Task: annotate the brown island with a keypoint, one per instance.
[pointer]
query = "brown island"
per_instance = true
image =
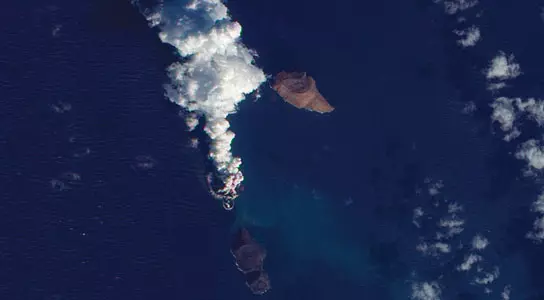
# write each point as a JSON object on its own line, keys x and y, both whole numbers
{"x": 300, "y": 90}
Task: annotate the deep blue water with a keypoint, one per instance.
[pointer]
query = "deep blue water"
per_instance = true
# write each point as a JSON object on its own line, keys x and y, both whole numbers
{"x": 123, "y": 231}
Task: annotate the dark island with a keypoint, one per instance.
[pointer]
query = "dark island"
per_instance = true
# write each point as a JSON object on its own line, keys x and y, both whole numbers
{"x": 249, "y": 257}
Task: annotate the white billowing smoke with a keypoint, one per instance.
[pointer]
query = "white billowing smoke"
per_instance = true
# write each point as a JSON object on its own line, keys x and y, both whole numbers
{"x": 216, "y": 73}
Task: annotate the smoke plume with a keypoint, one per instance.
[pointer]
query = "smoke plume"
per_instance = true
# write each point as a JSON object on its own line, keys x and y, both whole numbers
{"x": 215, "y": 73}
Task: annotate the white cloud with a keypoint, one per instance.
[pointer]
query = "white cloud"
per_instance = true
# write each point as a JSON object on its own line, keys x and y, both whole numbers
{"x": 506, "y": 293}
{"x": 506, "y": 111}
{"x": 496, "y": 86}
{"x": 426, "y": 291}
{"x": 450, "y": 222}
{"x": 433, "y": 249}
{"x": 454, "y": 208}
{"x": 534, "y": 108}
{"x": 512, "y": 134}
{"x": 216, "y": 74}
{"x": 434, "y": 188}
{"x": 479, "y": 242}
{"x": 470, "y": 260}
{"x": 417, "y": 214}
{"x": 455, "y": 6}
{"x": 453, "y": 226}
{"x": 538, "y": 206}
{"x": 503, "y": 67}
{"x": 538, "y": 225}
{"x": 538, "y": 230}
{"x": 488, "y": 277}
{"x": 533, "y": 153}
{"x": 469, "y": 36}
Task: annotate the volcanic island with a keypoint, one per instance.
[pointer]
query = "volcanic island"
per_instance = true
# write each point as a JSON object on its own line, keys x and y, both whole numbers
{"x": 300, "y": 90}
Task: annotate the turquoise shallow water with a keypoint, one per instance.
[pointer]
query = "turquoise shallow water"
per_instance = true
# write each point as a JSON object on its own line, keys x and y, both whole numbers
{"x": 309, "y": 229}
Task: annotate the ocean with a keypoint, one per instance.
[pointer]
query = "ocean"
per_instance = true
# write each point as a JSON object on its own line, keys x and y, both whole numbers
{"x": 104, "y": 196}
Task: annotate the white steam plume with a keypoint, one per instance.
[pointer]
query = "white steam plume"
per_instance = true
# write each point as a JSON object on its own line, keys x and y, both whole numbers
{"x": 216, "y": 73}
